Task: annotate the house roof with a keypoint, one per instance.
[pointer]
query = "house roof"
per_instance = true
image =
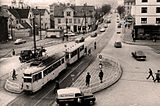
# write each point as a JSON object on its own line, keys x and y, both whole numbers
{"x": 19, "y": 13}
{"x": 25, "y": 25}
{"x": 37, "y": 11}
{"x": 78, "y": 10}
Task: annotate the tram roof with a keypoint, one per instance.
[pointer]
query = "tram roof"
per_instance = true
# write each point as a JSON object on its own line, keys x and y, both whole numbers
{"x": 37, "y": 66}
{"x": 73, "y": 46}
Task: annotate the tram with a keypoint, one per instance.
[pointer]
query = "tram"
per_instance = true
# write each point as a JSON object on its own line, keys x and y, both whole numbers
{"x": 74, "y": 53}
{"x": 43, "y": 70}
{"x": 46, "y": 69}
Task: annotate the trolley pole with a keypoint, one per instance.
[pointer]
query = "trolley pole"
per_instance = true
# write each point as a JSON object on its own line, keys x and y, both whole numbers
{"x": 40, "y": 24}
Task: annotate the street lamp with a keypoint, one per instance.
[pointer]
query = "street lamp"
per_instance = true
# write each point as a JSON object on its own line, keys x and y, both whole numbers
{"x": 34, "y": 36}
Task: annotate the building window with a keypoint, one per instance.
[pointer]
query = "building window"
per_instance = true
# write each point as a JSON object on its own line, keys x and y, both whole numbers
{"x": 59, "y": 21}
{"x": 68, "y": 13}
{"x": 75, "y": 21}
{"x": 144, "y": 1}
{"x": 157, "y": 20}
{"x": 158, "y": 0}
{"x": 144, "y": 10}
{"x": 79, "y": 21}
{"x": 158, "y": 10}
{"x": 70, "y": 20}
{"x": 143, "y": 20}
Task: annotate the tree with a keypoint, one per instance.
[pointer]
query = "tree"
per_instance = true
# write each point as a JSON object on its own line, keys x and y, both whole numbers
{"x": 106, "y": 8}
{"x": 121, "y": 10}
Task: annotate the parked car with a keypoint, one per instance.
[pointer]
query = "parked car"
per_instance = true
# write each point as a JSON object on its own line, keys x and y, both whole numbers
{"x": 74, "y": 96}
{"x": 81, "y": 39}
{"x": 70, "y": 34}
{"x": 118, "y": 44}
{"x": 94, "y": 35}
{"x": 139, "y": 55}
{"x": 119, "y": 25}
{"x": 102, "y": 30}
{"x": 19, "y": 41}
{"x": 105, "y": 25}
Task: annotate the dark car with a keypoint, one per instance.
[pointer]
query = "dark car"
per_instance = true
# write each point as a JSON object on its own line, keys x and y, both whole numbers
{"x": 79, "y": 40}
{"x": 118, "y": 44}
{"x": 139, "y": 55}
{"x": 94, "y": 35}
{"x": 25, "y": 55}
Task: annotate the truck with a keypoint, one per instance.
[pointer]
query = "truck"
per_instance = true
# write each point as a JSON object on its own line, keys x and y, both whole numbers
{"x": 74, "y": 96}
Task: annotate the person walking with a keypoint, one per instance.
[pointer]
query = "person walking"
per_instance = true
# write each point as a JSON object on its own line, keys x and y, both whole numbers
{"x": 56, "y": 86}
{"x": 101, "y": 76}
{"x": 14, "y": 75}
{"x": 150, "y": 74}
{"x": 157, "y": 76}
{"x": 88, "y": 77}
{"x": 13, "y": 52}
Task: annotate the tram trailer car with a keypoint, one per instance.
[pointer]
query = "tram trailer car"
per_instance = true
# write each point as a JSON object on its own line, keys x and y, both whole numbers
{"x": 37, "y": 75}
{"x": 74, "y": 53}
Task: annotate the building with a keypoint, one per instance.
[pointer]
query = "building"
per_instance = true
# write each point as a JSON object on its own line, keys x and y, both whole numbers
{"x": 147, "y": 19}
{"x": 3, "y": 25}
{"x": 73, "y": 18}
{"x": 128, "y": 5}
{"x": 42, "y": 18}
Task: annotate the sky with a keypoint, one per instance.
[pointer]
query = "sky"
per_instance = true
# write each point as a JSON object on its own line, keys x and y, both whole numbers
{"x": 77, "y": 2}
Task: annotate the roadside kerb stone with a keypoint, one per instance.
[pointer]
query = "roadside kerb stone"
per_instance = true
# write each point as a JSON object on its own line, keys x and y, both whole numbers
{"x": 113, "y": 76}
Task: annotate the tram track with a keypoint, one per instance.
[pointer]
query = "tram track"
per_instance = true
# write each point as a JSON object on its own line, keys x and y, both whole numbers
{"x": 45, "y": 96}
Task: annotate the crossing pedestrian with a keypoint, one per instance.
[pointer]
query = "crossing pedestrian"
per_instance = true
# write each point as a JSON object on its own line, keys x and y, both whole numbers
{"x": 88, "y": 77}
{"x": 157, "y": 76}
{"x": 13, "y": 52}
{"x": 56, "y": 86}
{"x": 101, "y": 76}
{"x": 14, "y": 75}
{"x": 150, "y": 74}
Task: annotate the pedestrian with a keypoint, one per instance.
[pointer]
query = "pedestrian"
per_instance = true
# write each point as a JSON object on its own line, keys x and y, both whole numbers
{"x": 67, "y": 37}
{"x": 157, "y": 76}
{"x": 95, "y": 45}
{"x": 13, "y": 52}
{"x": 14, "y": 75}
{"x": 101, "y": 76}
{"x": 150, "y": 74}
{"x": 56, "y": 86}
{"x": 88, "y": 77}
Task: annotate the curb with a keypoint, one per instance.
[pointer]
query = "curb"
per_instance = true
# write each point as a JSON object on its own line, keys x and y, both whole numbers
{"x": 107, "y": 83}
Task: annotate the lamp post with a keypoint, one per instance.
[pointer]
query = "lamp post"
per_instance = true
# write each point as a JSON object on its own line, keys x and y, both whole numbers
{"x": 40, "y": 24}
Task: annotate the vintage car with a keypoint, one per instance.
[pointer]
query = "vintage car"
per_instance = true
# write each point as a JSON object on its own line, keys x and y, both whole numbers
{"x": 19, "y": 41}
{"x": 118, "y": 44}
{"x": 94, "y": 35}
{"x": 74, "y": 96}
{"x": 139, "y": 55}
{"x": 80, "y": 39}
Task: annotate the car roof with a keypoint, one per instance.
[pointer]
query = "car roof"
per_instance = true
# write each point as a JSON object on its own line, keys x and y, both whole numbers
{"x": 69, "y": 90}
{"x": 139, "y": 52}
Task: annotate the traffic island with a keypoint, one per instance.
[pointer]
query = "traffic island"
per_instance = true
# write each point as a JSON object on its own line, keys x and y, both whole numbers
{"x": 112, "y": 73}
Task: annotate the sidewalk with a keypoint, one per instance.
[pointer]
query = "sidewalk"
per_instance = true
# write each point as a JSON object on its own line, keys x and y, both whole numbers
{"x": 112, "y": 73}
{"x": 127, "y": 38}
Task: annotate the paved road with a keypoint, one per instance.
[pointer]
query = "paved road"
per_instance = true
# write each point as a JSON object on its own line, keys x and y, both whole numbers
{"x": 133, "y": 89}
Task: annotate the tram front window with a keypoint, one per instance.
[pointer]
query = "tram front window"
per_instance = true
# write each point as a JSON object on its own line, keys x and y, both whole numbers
{"x": 28, "y": 80}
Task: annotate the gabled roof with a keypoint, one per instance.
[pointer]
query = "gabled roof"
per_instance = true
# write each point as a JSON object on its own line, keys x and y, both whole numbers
{"x": 25, "y": 25}
{"x": 19, "y": 13}
{"x": 79, "y": 11}
{"x": 38, "y": 11}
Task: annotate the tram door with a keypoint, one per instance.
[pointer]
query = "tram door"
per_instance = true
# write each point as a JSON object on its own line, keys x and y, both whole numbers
{"x": 78, "y": 53}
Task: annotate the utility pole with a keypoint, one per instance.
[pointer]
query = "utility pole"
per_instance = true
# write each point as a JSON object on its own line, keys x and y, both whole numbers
{"x": 40, "y": 24}
{"x": 34, "y": 36}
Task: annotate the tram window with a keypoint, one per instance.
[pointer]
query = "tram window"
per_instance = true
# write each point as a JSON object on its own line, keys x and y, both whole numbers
{"x": 62, "y": 60}
{"x": 45, "y": 72}
{"x": 27, "y": 75}
{"x": 67, "y": 55}
{"x": 27, "y": 80}
{"x": 81, "y": 48}
{"x": 37, "y": 76}
{"x": 73, "y": 53}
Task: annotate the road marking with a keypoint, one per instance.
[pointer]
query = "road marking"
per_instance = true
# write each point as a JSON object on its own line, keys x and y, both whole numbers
{"x": 53, "y": 87}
